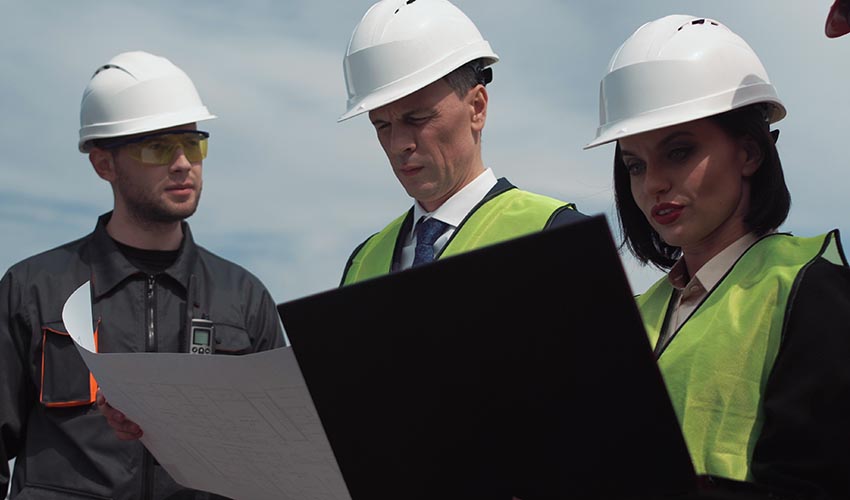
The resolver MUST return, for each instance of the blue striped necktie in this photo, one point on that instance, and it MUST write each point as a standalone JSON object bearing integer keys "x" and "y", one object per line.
{"x": 427, "y": 232}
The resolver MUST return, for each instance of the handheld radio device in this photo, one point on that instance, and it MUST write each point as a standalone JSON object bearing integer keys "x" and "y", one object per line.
{"x": 201, "y": 337}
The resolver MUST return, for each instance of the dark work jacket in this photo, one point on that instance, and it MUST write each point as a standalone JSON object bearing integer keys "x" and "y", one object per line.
{"x": 64, "y": 447}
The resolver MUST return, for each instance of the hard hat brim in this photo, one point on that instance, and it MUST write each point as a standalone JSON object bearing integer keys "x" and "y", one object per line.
{"x": 376, "y": 97}
{"x": 146, "y": 124}
{"x": 632, "y": 103}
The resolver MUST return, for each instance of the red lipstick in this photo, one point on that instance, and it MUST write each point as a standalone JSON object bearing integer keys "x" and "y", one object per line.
{"x": 666, "y": 213}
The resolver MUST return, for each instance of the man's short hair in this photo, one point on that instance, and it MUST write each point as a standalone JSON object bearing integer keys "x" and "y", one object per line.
{"x": 469, "y": 75}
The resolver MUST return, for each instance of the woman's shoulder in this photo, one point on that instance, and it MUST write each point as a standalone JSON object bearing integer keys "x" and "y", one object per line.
{"x": 787, "y": 248}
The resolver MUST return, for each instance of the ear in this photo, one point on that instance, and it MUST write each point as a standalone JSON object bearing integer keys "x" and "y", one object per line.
{"x": 478, "y": 104}
{"x": 752, "y": 156}
{"x": 103, "y": 163}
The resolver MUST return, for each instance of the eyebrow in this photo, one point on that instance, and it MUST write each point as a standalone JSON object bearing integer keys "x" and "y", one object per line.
{"x": 663, "y": 142}
{"x": 430, "y": 110}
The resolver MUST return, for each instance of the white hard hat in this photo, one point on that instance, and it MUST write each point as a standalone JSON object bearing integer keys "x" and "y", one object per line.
{"x": 401, "y": 46}
{"x": 677, "y": 69}
{"x": 137, "y": 92}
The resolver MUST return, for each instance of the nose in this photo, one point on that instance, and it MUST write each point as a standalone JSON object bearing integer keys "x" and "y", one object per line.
{"x": 402, "y": 139}
{"x": 179, "y": 161}
{"x": 655, "y": 181}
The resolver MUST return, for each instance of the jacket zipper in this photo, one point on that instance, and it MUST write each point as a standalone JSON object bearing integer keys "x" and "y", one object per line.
{"x": 150, "y": 342}
{"x": 150, "y": 346}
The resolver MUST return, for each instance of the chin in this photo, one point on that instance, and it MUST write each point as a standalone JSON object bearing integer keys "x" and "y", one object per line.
{"x": 187, "y": 212}
{"x": 176, "y": 214}
{"x": 674, "y": 240}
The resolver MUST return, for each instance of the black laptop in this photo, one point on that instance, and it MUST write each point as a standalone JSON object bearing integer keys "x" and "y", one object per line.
{"x": 519, "y": 369}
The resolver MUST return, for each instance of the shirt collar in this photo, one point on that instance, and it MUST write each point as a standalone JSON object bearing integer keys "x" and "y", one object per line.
{"x": 456, "y": 208}
{"x": 712, "y": 271}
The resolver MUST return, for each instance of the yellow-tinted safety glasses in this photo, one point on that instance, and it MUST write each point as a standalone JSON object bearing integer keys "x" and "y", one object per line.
{"x": 159, "y": 148}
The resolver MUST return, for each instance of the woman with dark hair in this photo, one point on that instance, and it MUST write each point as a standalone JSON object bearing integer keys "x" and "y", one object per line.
{"x": 751, "y": 326}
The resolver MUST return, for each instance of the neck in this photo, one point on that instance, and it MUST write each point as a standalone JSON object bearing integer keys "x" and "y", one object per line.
{"x": 472, "y": 174}
{"x": 698, "y": 255}
{"x": 146, "y": 235}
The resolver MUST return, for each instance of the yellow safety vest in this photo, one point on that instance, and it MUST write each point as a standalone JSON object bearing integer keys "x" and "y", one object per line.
{"x": 511, "y": 214}
{"x": 717, "y": 364}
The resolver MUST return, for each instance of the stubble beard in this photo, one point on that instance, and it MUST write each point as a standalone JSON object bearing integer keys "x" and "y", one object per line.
{"x": 157, "y": 213}
{"x": 148, "y": 210}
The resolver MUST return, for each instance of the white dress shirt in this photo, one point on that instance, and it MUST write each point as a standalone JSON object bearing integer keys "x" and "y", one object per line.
{"x": 452, "y": 212}
{"x": 691, "y": 293}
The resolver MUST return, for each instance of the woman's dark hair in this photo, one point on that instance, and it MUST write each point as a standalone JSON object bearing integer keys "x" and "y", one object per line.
{"x": 770, "y": 200}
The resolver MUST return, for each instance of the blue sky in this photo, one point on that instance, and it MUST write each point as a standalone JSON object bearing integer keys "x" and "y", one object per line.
{"x": 289, "y": 192}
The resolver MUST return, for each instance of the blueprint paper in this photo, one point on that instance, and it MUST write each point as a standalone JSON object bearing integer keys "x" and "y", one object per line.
{"x": 239, "y": 426}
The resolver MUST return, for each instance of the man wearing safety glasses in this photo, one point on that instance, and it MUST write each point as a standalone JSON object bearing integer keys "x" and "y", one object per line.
{"x": 152, "y": 288}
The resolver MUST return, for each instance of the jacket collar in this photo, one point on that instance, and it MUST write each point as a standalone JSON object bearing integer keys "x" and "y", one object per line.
{"x": 110, "y": 267}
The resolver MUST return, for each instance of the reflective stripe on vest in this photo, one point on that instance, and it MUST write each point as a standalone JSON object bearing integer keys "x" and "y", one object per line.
{"x": 511, "y": 214}
{"x": 717, "y": 364}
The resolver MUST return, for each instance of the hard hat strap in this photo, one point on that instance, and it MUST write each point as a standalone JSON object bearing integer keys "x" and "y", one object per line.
{"x": 483, "y": 75}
